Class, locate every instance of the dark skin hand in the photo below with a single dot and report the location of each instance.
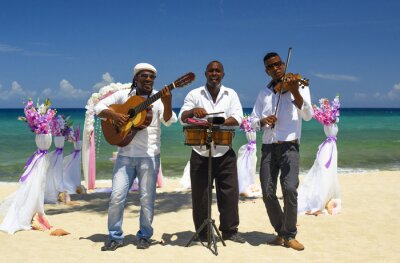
(201, 113)
(166, 99)
(271, 119)
(195, 112)
(275, 68)
(144, 83)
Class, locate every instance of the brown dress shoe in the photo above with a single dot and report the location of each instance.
(293, 243)
(277, 241)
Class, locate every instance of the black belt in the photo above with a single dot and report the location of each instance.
(296, 141)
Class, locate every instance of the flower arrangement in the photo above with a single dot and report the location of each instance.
(39, 117)
(95, 98)
(60, 125)
(73, 134)
(246, 125)
(327, 113)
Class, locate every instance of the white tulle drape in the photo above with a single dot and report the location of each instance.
(320, 191)
(246, 166)
(54, 180)
(185, 180)
(72, 169)
(22, 205)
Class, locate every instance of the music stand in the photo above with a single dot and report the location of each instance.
(209, 222)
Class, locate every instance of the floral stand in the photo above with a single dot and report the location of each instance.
(72, 169)
(54, 181)
(246, 166)
(319, 192)
(28, 200)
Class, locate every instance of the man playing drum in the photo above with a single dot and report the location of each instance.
(214, 97)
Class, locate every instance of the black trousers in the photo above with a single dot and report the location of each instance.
(283, 158)
(224, 172)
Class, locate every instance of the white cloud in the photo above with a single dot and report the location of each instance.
(15, 92)
(337, 77)
(41, 54)
(360, 96)
(392, 95)
(69, 91)
(7, 48)
(66, 91)
(47, 93)
(377, 95)
(106, 80)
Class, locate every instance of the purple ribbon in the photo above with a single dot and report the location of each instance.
(57, 152)
(75, 152)
(39, 153)
(251, 145)
(328, 140)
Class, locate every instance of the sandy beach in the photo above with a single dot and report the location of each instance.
(366, 230)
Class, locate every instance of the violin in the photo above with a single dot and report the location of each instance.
(283, 83)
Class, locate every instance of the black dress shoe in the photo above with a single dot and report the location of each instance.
(143, 244)
(235, 237)
(111, 246)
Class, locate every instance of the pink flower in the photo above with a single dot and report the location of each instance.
(74, 135)
(60, 125)
(246, 124)
(327, 113)
(38, 121)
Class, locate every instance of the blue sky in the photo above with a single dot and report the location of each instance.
(66, 50)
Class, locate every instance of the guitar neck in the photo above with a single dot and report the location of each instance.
(144, 105)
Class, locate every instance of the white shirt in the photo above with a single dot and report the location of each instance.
(289, 117)
(227, 102)
(146, 142)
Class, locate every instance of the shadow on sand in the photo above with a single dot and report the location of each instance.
(98, 203)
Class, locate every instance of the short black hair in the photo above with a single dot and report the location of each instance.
(215, 61)
(270, 55)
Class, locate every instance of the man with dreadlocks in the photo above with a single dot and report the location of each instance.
(140, 158)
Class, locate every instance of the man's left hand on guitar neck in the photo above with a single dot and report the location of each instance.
(166, 99)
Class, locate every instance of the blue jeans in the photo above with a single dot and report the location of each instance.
(126, 169)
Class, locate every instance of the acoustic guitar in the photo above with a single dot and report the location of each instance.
(140, 114)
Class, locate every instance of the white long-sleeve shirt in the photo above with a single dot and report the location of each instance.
(146, 142)
(227, 102)
(289, 117)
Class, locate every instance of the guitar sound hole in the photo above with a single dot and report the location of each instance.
(132, 113)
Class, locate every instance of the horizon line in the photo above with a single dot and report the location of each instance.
(242, 107)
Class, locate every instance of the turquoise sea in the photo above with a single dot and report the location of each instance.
(368, 139)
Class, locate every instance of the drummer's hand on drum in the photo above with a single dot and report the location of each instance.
(270, 120)
(199, 112)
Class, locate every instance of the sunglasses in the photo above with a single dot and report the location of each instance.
(276, 64)
(147, 75)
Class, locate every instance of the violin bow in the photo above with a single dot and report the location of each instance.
(283, 80)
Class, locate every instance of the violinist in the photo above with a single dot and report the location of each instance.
(278, 112)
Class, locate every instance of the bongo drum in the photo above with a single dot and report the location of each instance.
(197, 135)
(223, 135)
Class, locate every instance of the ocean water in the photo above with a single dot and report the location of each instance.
(368, 139)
